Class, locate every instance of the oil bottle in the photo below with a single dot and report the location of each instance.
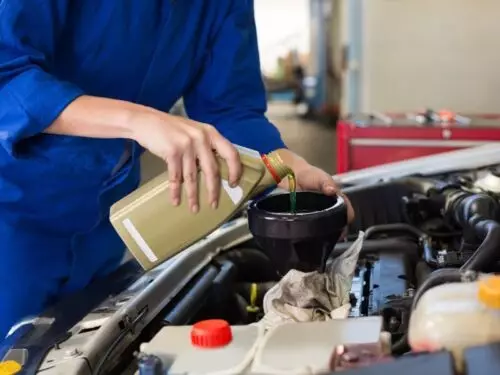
(154, 230)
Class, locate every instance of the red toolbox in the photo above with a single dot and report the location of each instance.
(369, 140)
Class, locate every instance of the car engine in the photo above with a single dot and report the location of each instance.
(413, 227)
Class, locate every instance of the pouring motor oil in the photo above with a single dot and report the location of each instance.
(154, 230)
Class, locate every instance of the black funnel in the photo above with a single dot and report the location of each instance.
(303, 240)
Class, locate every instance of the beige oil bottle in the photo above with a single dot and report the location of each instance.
(154, 230)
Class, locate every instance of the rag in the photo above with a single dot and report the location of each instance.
(313, 296)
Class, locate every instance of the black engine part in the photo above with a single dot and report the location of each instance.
(384, 285)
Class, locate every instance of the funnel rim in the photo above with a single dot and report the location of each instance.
(254, 206)
(301, 240)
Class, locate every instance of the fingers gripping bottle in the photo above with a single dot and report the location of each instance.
(154, 230)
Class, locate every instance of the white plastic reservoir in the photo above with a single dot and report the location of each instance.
(291, 348)
(456, 316)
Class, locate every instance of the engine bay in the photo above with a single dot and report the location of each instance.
(414, 227)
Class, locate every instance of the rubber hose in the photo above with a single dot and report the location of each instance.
(384, 245)
(422, 272)
(489, 251)
(449, 234)
(399, 227)
(438, 277)
(241, 304)
(428, 254)
(252, 265)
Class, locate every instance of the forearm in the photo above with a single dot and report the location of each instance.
(94, 117)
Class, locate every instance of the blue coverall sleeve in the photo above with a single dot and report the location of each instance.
(30, 97)
(229, 94)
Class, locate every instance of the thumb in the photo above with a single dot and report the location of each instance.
(328, 186)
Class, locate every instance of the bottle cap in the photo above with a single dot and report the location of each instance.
(489, 291)
(213, 333)
(270, 167)
(9, 368)
(276, 167)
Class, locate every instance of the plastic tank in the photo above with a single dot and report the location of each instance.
(302, 240)
(456, 316)
(214, 347)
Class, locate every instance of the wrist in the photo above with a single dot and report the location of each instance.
(139, 122)
(292, 160)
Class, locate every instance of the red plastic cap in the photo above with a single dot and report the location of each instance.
(213, 333)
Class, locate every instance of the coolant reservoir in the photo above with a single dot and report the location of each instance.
(456, 316)
(214, 347)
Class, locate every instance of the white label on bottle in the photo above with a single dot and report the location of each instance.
(139, 240)
(247, 151)
(235, 194)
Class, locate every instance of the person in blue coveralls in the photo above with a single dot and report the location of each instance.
(85, 87)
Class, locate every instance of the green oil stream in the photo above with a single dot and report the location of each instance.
(292, 187)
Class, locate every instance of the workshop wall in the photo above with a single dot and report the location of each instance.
(429, 53)
(282, 25)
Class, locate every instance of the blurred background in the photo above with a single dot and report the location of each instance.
(325, 60)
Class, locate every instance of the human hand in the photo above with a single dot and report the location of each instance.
(184, 144)
(309, 177)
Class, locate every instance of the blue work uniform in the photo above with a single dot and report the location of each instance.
(56, 191)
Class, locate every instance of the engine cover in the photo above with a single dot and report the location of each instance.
(383, 286)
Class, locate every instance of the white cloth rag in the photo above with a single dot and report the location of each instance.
(313, 296)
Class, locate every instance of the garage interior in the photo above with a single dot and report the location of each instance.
(394, 270)
(371, 57)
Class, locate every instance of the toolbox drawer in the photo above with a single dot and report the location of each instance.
(366, 141)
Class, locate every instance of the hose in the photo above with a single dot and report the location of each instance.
(252, 265)
(398, 227)
(438, 277)
(489, 250)
(406, 217)
(428, 254)
(423, 237)
(241, 304)
(422, 272)
(387, 245)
